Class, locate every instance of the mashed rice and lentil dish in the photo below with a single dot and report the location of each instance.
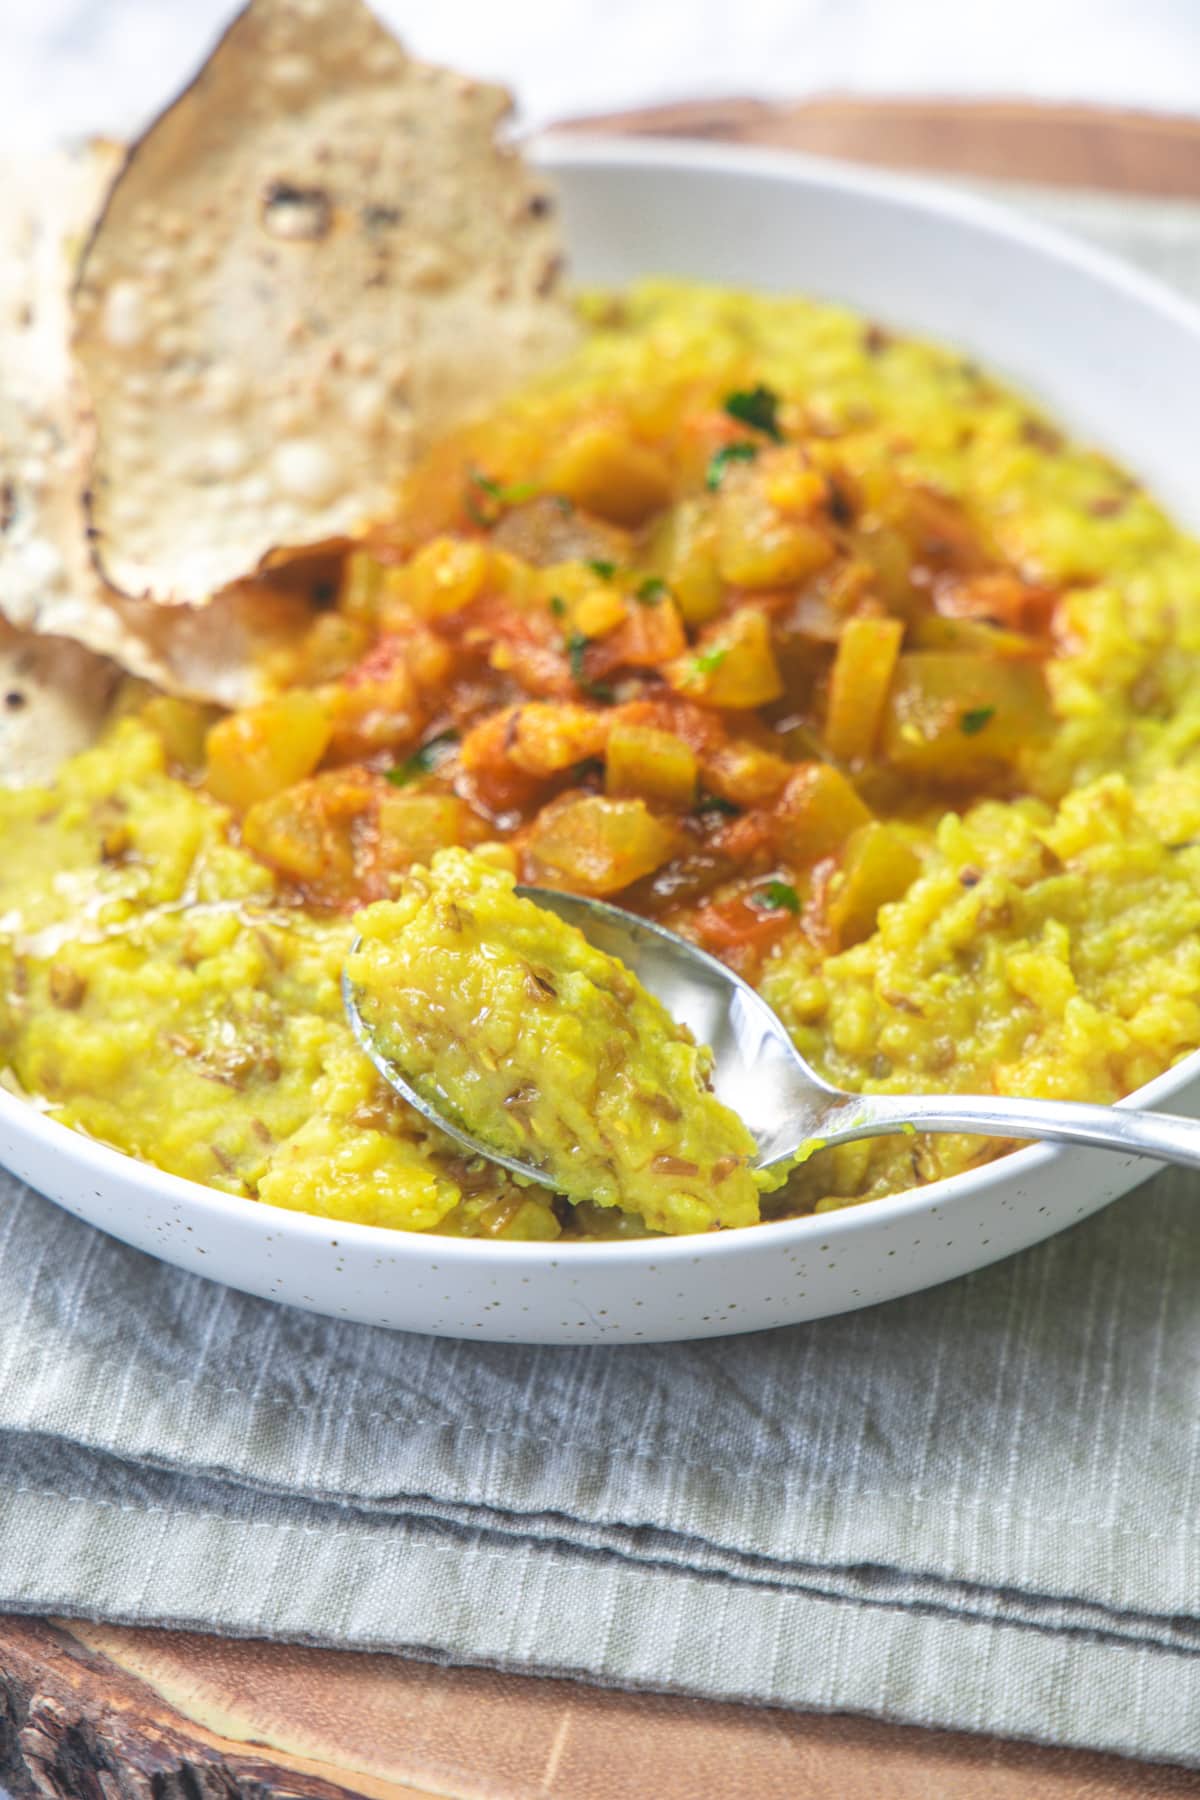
(814, 643)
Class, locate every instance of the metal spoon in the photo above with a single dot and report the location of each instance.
(760, 1074)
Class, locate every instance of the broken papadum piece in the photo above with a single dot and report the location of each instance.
(53, 698)
(49, 584)
(315, 260)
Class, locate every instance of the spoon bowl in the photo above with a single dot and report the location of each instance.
(788, 1108)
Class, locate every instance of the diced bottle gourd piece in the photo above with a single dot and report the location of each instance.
(604, 471)
(308, 833)
(597, 845)
(973, 635)
(684, 550)
(445, 576)
(413, 826)
(362, 586)
(820, 809)
(858, 689)
(878, 866)
(597, 612)
(332, 644)
(183, 726)
(258, 752)
(888, 553)
(759, 547)
(654, 764)
(952, 716)
(743, 774)
(733, 666)
(650, 635)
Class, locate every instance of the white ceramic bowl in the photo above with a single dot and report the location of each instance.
(1109, 353)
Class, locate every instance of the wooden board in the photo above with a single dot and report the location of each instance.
(1072, 146)
(91, 1712)
(101, 1713)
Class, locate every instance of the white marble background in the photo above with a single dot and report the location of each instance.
(73, 66)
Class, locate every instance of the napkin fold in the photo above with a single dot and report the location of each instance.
(972, 1508)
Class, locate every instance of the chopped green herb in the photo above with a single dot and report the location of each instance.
(423, 760)
(777, 896)
(577, 643)
(652, 591)
(974, 721)
(719, 462)
(487, 515)
(507, 496)
(705, 661)
(605, 570)
(565, 506)
(714, 803)
(756, 407)
(558, 605)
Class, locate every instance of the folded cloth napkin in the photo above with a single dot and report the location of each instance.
(972, 1508)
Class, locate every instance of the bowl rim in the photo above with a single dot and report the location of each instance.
(88, 1157)
(556, 148)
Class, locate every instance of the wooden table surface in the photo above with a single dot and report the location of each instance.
(92, 1712)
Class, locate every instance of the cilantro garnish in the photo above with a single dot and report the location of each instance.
(577, 643)
(756, 407)
(498, 496)
(715, 803)
(507, 496)
(973, 722)
(423, 760)
(652, 591)
(605, 570)
(558, 605)
(705, 661)
(777, 896)
(721, 459)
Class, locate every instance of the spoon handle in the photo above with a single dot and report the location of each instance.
(1159, 1135)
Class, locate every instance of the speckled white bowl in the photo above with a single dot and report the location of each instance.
(1109, 353)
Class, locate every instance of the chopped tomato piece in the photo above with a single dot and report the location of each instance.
(545, 740)
(738, 931)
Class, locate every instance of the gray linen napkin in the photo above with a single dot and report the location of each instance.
(973, 1508)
